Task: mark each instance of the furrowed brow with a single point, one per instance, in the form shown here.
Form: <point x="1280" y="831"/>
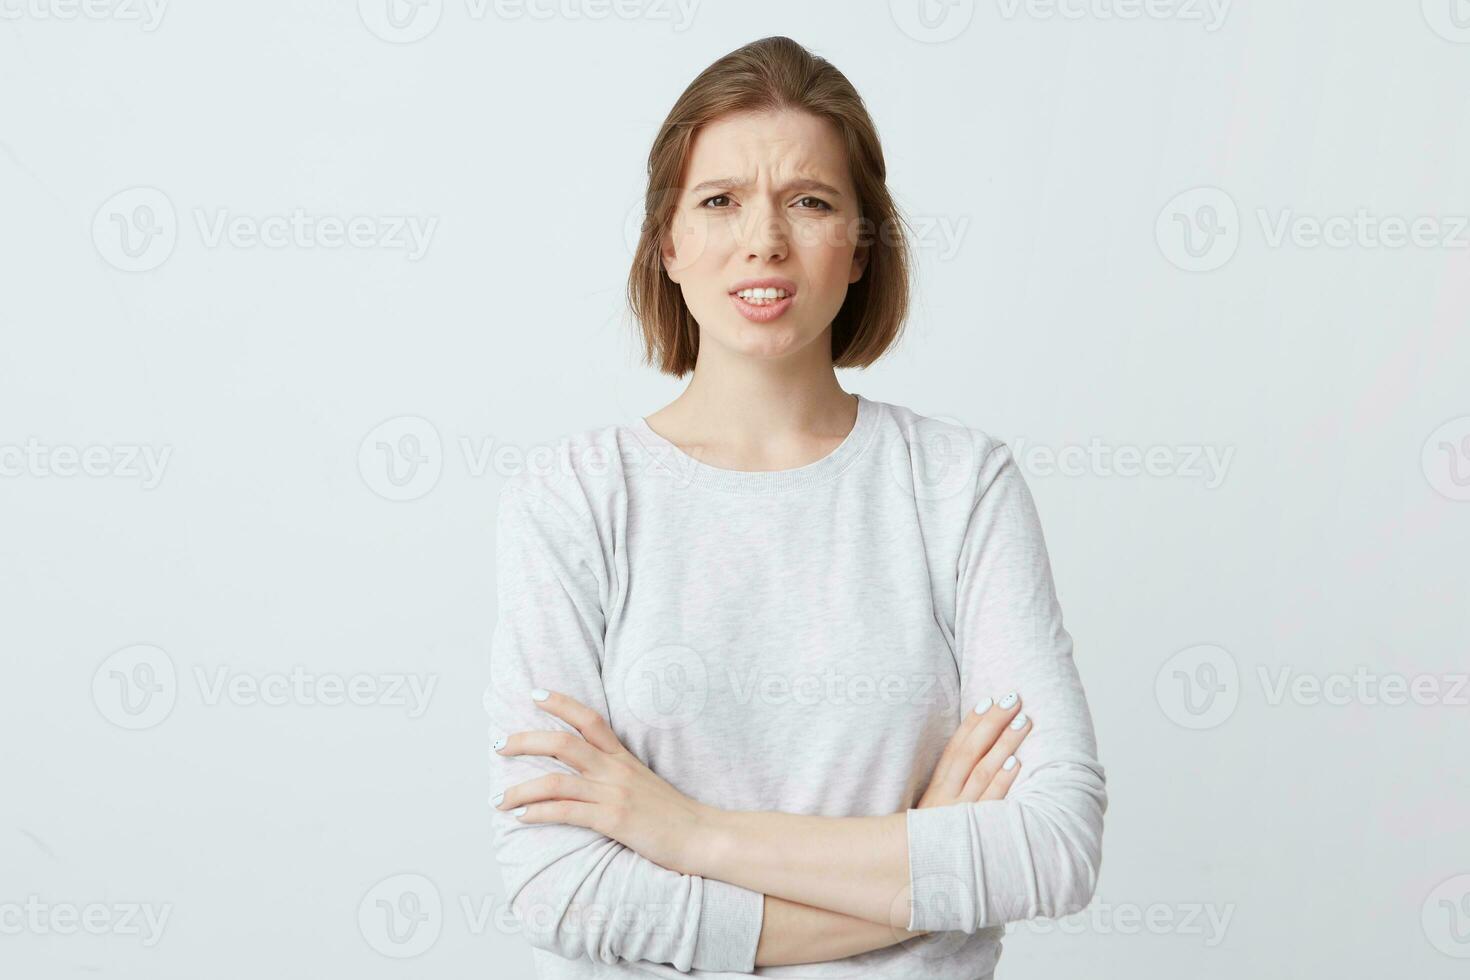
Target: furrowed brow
<point x="735" y="184"/>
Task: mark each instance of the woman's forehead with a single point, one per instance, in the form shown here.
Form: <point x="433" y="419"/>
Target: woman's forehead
<point x="769" y="135"/>
<point x="743" y="152"/>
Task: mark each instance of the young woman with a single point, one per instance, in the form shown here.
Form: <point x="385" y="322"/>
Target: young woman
<point x="779" y="678"/>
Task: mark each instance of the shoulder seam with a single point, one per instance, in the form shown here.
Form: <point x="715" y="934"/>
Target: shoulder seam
<point x="549" y="503"/>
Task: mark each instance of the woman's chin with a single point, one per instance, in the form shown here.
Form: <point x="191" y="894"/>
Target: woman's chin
<point x="768" y="340"/>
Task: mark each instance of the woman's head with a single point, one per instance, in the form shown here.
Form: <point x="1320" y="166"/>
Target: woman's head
<point x="769" y="168"/>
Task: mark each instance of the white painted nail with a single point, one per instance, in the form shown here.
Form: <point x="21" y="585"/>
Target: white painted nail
<point x="540" y="694"/>
<point x="1019" y="721"/>
<point x="983" y="706"/>
<point x="495" y="800"/>
<point x="499" y="743"/>
<point x="519" y="811"/>
<point x="1009" y="764"/>
<point x="1008" y="700"/>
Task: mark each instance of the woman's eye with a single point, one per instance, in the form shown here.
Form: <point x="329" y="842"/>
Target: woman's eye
<point x="816" y="203"/>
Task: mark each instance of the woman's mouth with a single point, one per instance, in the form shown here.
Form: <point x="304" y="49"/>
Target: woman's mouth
<point x="762" y="305"/>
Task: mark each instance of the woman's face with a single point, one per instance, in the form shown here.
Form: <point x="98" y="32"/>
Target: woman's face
<point x="766" y="197"/>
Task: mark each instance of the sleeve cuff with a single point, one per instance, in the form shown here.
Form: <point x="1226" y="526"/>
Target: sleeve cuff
<point x="729" y="927"/>
<point x="944" y="863"/>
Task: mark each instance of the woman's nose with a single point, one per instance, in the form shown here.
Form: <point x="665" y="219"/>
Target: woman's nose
<point x="764" y="231"/>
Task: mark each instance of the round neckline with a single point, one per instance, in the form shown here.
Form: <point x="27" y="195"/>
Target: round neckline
<point x="691" y="471"/>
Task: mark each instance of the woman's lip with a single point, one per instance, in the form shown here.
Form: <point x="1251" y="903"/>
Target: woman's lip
<point x="761" y="314"/>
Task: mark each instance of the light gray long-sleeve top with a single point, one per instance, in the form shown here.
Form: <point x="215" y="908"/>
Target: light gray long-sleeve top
<point x="802" y="640"/>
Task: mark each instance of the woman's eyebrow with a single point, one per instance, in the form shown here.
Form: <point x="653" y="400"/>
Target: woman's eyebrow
<point x="735" y="184"/>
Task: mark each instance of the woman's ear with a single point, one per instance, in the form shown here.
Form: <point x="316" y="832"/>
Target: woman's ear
<point x="670" y="257"/>
<point x="859" y="263"/>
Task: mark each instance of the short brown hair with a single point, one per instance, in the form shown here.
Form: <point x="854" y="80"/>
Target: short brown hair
<point x="772" y="74"/>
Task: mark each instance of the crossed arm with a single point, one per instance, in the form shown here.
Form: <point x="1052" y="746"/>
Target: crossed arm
<point x="816" y="894"/>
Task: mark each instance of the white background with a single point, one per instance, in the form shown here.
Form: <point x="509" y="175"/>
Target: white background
<point x="1068" y="300"/>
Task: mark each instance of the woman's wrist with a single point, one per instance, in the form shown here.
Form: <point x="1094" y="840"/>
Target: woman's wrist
<point x="708" y="850"/>
<point x="792" y="933"/>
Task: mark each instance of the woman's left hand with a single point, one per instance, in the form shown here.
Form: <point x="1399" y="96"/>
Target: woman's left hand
<point x="611" y="790"/>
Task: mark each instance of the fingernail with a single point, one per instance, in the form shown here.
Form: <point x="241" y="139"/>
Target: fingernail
<point x="1008" y="700"/>
<point x="540" y="694"/>
<point x="495" y="800"/>
<point x="1019" y="721"/>
<point x="499" y="743"/>
<point x="983" y="706"/>
<point x="1009" y="764"/>
<point x="519" y="811"/>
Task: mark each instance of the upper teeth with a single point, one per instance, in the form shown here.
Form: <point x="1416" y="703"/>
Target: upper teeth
<point x="767" y="292"/>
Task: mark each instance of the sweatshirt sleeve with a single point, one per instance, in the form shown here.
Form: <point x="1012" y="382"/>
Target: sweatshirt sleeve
<point x="576" y="892"/>
<point x="1038" y="851"/>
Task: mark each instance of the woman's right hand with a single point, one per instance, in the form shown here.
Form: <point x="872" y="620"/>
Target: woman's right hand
<point x="973" y="766"/>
